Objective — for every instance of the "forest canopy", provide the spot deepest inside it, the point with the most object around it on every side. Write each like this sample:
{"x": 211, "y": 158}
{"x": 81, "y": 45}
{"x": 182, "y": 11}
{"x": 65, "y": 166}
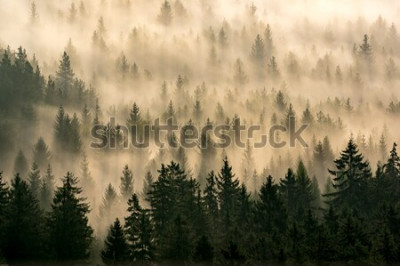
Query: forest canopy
{"x": 315, "y": 178}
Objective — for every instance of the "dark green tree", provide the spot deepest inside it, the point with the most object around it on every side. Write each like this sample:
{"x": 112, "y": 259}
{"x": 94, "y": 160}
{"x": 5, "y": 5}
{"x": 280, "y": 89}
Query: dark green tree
{"x": 139, "y": 232}
{"x": 350, "y": 179}
{"x": 23, "y": 229}
{"x": 115, "y": 246}
{"x": 204, "y": 252}
{"x": 70, "y": 233}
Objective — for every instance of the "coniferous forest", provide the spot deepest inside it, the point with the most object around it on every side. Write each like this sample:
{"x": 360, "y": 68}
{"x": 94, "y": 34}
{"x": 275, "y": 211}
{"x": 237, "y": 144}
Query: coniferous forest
{"x": 202, "y": 132}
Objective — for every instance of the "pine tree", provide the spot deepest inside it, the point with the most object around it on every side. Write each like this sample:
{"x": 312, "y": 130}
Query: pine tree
{"x": 273, "y": 68}
{"x": 222, "y": 38}
{"x": 86, "y": 177}
{"x": 204, "y": 252}
{"x": 304, "y": 191}
{"x": 319, "y": 159}
{"x": 34, "y": 181}
{"x": 366, "y": 50}
{"x": 382, "y": 148}
{"x": 179, "y": 246}
{"x": 126, "y": 186}
{"x": 47, "y": 189}
{"x": 34, "y": 13}
{"x": 307, "y": 117}
{"x": 86, "y": 120}
{"x": 135, "y": 117}
{"x": 165, "y": 17}
{"x": 139, "y": 232}
{"x": 290, "y": 114}
{"x": 211, "y": 201}
{"x": 41, "y": 154}
{"x": 280, "y": 102}
{"x": 258, "y": 51}
{"x": 70, "y": 233}
{"x": 147, "y": 185}
{"x": 173, "y": 194}
{"x": 109, "y": 201}
{"x": 269, "y": 45}
{"x": 23, "y": 231}
{"x": 239, "y": 76}
{"x": 4, "y": 198}
{"x": 327, "y": 150}
{"x": 392, "y": 167}
{"x": 228, "y": 195}
{"x": 20, "y": 164}
{"x": 350, "y": 179}
{"x": 115, "y": 246}
{"x": 288, "y": 191}
{"x": 65, "y": 75}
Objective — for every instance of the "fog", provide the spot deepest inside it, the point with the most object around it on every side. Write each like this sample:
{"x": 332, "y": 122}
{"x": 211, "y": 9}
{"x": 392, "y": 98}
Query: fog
{"x": 320, "y": 65}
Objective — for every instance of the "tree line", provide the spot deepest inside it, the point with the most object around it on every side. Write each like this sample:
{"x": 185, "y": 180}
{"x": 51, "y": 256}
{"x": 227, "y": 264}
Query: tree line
{"x": 287, "y": 220}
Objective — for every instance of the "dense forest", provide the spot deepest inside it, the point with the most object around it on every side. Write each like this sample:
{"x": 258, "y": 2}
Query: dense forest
{"x": 73, "y": 73}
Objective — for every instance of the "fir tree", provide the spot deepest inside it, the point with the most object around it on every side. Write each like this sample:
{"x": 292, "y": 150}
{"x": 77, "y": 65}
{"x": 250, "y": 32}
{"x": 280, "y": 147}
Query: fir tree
{"x": 165, "y": 17}
{"x": 228, "y": 195}
{"x": 47, "y": 189}
{"x": 34, "y": 181}
{"x": 204, "y": 252}
{"x": 139, "y": 232}
{"x": 258, "y": 51}
{"x": 115, "y": 246}
{"x": 239, "y": 76}
{"x": 41, "y": 154}
{"x": 4, "y": 198}
{"x": 65, "y": 75}
{"x": 20, "y": 164}
{"x": 126, "y": 186}
{"x": 109, "y": 201}
{"x": 23, "y": 231}
{"x": 350, "y": 179}
{"x": 70, "y": 233}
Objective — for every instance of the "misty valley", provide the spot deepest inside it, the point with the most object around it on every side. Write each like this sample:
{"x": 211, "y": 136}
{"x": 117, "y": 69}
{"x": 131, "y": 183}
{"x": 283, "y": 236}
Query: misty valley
{"x": 227, "y": 132}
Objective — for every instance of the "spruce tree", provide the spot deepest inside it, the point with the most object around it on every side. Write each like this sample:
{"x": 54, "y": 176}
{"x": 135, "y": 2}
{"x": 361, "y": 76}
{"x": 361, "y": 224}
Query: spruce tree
{"x": 270, "y": 211}
{"x": 23, "y": 228}
{"x": 165, "y": 17}
{"x": 350, "y": 179}
{"x": 41, "y": 154}
{"x": 35, "y": 181}
{"x": 47, "y": 189}
{"x": 126, "y": 186}
{"x": 4, "y": 198}
{"x": 258, "y": 51}
{"x": 20, "y": 164}
{"x": 65, "y": 75}
{"x": 204, "y": 251}
{"x": 109, "y": 201}
{"x": 228, "y": 197}
{"x": 304, "y": 192}
{"x": 288, "y": 191}
{"x": 147, "y": 185}
{"x": 115, "y": 246}
{"x": 139, "y": 232}
{"x": 70, "y": 233}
